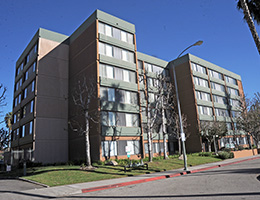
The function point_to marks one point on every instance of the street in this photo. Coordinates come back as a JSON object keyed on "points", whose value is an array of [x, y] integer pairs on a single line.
{"points": [[238, 181], [235, 181]]}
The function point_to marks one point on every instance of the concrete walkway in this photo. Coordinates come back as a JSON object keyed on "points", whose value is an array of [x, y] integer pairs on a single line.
{"points": [[66, 190]]}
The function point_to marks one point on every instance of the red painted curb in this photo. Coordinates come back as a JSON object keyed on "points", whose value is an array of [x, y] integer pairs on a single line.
{"points": [[93, 189]]}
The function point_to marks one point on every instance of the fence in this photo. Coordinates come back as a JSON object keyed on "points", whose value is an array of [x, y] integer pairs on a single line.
{"points": [[14, 157]]}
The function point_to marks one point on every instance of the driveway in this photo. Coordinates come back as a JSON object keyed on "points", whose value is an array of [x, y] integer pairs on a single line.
{"points": [[14, 186]]}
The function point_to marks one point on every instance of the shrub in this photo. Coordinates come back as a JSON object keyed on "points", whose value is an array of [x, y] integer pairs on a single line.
{"points": [[123, 162], [207, 154], [240, 148], [227, 150], [98, 162], [225, 155]]}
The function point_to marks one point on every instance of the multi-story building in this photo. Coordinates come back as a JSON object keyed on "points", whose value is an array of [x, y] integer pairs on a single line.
{"points": [[208, 92], [40, 107], [104, 50]]}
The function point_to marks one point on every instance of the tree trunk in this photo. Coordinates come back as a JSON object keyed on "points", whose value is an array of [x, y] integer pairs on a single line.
{"points": [[164, 131], [88, 157], [215, 145], [149, 136], [179, 144], [209, 145], [250, 23]]}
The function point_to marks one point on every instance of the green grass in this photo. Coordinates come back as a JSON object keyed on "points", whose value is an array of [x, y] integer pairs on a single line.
{"points": [[70, 174]]}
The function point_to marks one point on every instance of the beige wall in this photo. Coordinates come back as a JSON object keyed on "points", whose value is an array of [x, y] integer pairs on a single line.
{"points": [[83, 64], [51, 102], [188, 106]]}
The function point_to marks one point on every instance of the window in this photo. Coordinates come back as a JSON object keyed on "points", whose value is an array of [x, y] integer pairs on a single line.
{"points": [[217, 86], [28, 108], [18, 84], [140, 64], [17, 100], [128, 119], [116, 52], [109, 50], [198, 68], [219, 99], [27, 129], [134, 147], [19, 69], [112, 72], [235, 114], [119, 119], [17, 117], [230, 80], [215, 74], [200, 82], [141, 79], [111, 94], [203, 96], [151, 97], [31, 128], [109, 148], [108, 30], [31, 54], [221, 112], [232, 91], [115, 33], [150, 82], [23, 131], [117, 95], [229, 127], [144, 111], [111, 119], [234, 103], [29, 89], [203, 110], [30, 71], [142, 96], [15, 134], [157, 69], [148, 67]]}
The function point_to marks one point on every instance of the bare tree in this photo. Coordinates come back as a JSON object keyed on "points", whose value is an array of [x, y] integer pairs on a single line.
{"points": [[4, 138], [162, 115], [2, 97], [212, 131], [249, 117], [83, 95]]}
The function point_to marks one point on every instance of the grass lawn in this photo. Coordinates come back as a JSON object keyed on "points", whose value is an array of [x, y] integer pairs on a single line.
{"points": [[69, 174]]}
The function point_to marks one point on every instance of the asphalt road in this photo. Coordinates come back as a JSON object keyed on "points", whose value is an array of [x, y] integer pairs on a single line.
{"points": [[238, 181], [13, 186]]}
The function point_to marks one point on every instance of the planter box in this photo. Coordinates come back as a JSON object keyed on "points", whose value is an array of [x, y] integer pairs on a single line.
{"points": [[245, 153]]}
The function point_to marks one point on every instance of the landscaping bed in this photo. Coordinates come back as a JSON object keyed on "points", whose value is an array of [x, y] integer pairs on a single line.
{"points": [[70, 174]]}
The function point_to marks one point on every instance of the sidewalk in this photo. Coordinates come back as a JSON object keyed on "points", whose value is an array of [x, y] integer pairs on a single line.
{"points": [[66, 190]]}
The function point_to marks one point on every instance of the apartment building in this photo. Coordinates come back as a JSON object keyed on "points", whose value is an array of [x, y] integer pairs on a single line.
{"points": [[40, 107], [208, 92], [103, 51]]}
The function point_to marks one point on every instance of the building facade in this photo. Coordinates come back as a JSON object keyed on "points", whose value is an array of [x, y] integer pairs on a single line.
{"points": [[208, 92], [104, 50]]}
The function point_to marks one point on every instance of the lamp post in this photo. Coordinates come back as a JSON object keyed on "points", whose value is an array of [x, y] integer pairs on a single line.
{"points": [[198, 43]]}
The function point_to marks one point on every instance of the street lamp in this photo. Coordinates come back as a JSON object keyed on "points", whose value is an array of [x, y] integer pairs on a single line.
{"points": [[198, 43]]}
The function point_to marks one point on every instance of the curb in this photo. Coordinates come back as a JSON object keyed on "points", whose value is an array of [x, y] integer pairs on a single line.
{"points": [[105, 187], [34, 182]]}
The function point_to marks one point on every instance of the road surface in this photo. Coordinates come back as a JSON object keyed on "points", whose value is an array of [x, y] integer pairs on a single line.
{"points": [[238, 181]]}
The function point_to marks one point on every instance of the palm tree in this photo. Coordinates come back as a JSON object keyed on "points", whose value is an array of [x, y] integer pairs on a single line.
{"points": [[251, 10]]}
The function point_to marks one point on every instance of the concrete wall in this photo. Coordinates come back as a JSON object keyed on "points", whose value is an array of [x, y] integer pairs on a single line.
{"points": [[51, 102], [188, 106], [83, 65]]}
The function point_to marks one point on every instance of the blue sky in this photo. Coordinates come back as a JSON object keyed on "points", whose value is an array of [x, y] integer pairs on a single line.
{"points": [[163, 29]]}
